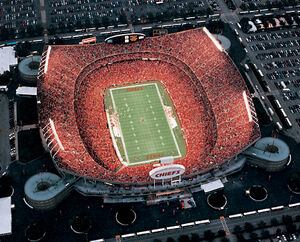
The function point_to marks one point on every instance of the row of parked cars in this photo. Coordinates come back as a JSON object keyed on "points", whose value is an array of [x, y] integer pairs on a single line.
{"points": [[278, 54], [275, 45], [273, 36], [285, 237], [275, 75], [295, 108], [282, 64]]}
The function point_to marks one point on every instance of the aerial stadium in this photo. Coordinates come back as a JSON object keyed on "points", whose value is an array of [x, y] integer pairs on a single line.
{"points": [[116, 113]]}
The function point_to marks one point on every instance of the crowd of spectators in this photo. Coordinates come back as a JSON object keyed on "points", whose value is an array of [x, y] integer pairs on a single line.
{"points": [[204, 84]]}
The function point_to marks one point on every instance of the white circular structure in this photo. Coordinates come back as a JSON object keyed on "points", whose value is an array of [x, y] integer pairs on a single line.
{"points": [[29, 68], [167, 172], [45, 190], [225, 42], [268, 153]]}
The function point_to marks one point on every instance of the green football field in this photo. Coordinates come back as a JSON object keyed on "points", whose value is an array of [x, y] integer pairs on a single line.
{"points": [[144, 133]]}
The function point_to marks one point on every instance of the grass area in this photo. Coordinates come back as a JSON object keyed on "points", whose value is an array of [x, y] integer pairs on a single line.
{"points": [[140, 125], [30, 145], [27, 111]]}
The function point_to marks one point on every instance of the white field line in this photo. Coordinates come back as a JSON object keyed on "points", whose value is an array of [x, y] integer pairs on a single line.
{"points": [[123, 143], [168, 121], [114, 140], [130, 86]]}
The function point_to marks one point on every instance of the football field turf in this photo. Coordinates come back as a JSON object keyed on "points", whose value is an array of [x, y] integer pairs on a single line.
{"points": [[145, 132]]}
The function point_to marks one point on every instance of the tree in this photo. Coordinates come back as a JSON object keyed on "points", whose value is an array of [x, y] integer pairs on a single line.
{"points": [[52, 29], [23, 49], [243, 7], [278, 231], [169, 239], [237, 229], [291, 228], [240, 238], [4, 33], [215, 26], [183, 238], [30, 30], [150, 17], [274, 222], [225, 240], [221, 233], [286, 219], [105, 21], [62, 26], [70, 27], [208, 235], [262, 224], [249, 227], [5, 77], [209, 11], [123, 18], [78, 24], [253, 236], [38, 30], [97, 23], [87, 23], [159, 17], [265, 234], [195, 237], [244, 24]]}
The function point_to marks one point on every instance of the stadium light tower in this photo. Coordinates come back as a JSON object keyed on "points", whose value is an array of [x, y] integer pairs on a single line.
{"points": [[247, 106]]}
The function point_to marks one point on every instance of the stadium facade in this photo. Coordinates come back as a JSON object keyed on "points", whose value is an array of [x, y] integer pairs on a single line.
{"points": [[210, 98]]}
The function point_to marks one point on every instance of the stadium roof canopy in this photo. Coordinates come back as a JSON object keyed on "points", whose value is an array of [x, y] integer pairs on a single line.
{"points": [[215, 110]]}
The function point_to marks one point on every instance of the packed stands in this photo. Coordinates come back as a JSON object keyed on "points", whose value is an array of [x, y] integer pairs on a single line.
{"points": [[206, 88]]}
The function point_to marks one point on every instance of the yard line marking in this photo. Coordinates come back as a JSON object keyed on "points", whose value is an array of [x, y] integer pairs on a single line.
{"points": [[174, 139], [123, 143]]}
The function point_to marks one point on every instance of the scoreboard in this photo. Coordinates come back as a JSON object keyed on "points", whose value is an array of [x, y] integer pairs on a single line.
{"points": [[124, 38]]}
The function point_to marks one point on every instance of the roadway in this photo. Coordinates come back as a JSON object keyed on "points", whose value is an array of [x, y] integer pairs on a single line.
{"points": [[216, 225]]}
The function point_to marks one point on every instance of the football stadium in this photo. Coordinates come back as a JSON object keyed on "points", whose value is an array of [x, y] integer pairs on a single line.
{"points": [[172, 107]]}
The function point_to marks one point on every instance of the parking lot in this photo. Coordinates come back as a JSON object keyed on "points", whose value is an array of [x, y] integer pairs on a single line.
{"points": [[22, 18], [19, 18], [275, 54]]}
